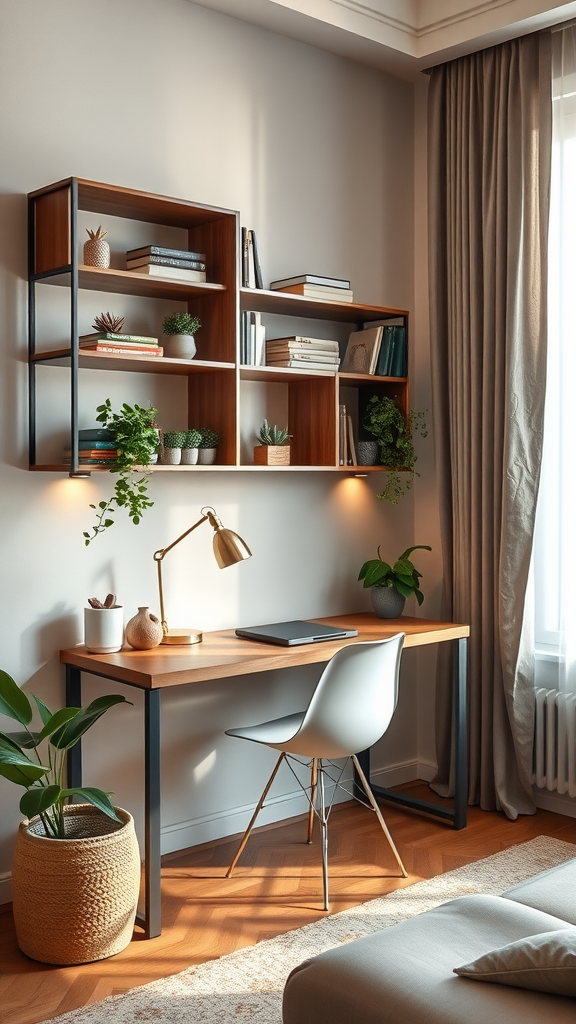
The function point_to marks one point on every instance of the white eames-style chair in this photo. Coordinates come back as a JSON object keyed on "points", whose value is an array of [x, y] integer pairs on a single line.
{"points": [[349, 711]]}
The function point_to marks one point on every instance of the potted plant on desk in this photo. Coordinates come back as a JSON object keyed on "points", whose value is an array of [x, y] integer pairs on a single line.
{"points": [[76, 868], [390, 585]]}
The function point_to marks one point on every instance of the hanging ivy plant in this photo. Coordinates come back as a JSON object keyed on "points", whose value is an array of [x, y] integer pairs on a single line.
{"points": [[394, 433], [136, 440]]}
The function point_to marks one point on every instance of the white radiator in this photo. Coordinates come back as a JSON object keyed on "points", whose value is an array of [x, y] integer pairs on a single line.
{"points": [[555, 741]]}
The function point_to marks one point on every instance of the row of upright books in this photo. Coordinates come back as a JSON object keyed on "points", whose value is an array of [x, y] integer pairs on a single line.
{"points": [[160, 261], [313, 286], [380, 351]]}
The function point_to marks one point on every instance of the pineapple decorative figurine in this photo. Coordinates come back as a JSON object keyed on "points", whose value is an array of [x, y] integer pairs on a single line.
{"points": [[272, 450], [96, 250]]}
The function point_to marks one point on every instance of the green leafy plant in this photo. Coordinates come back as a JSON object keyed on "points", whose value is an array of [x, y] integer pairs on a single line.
{"points": [[385, 420], [42, 778], [192, 438], [272, 434], [181, 323], [402, 575], [136, 441], [174, 438], [210, 438]]}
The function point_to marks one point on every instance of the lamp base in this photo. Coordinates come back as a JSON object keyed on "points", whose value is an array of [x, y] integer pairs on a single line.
{"points": [[182, 637]]}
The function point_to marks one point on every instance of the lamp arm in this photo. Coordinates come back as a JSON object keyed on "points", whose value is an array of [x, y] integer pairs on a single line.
{"points": [[159, 555]]}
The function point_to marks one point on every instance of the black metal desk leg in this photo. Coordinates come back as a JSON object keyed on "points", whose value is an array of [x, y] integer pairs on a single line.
{"points": [[460, 732], [152, 864], [74, 700]]}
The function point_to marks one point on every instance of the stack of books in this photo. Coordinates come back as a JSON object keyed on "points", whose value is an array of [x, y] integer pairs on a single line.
{"points": [[303, 353], [95, 448], [159, 261], [120, 344], [312, 286]]}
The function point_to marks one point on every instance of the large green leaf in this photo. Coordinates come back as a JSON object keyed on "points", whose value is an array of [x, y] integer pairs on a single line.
{"points": [[376, 572], [97, 797], [15, 766], [57, 720], [13, 702], [39, 799], [70, 733], [45, 713], [24, 740]]}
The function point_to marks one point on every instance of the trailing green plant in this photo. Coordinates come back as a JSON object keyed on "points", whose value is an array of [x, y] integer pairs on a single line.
{"points": [[43, 777], [192, 438], [174, 438], [273, 434], [402, 575], [136, 441], [181, 323], [385, 420], [210, 438]]}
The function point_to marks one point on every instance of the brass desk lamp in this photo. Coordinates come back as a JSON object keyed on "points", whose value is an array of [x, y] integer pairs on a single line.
{"points": [[229, 548]]}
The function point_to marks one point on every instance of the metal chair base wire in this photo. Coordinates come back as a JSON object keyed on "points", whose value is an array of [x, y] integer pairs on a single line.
{"points": [[322, 771]]}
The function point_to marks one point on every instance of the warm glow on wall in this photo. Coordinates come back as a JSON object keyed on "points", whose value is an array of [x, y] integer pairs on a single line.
{"points": [[73, 492]]}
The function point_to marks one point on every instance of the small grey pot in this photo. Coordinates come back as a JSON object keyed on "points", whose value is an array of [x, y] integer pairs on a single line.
{"points": [[189, 457], [387, 602], [206, 456], [367, 453], [170, 456]]}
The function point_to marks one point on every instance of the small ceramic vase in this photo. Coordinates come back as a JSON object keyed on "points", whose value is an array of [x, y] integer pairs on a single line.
{"points": [[206, 456], [180, 346], [144, 630], [189, 456], [367, 453], [104, 629], [387, 602]]}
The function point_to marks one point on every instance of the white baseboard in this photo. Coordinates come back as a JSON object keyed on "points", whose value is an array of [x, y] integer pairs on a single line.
{"points": [[560, 803]]}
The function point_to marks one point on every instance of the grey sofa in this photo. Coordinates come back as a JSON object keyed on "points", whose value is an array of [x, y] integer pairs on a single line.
{"points": [[404, 974]]}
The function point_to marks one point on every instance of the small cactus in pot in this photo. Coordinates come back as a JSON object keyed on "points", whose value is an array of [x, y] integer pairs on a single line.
{"points": [[273, 449], [180, 329], [208, 445], [171, 451], [192, 439]]}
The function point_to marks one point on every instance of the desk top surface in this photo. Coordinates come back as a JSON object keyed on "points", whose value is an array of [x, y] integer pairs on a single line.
{"points": [[222, 654]]}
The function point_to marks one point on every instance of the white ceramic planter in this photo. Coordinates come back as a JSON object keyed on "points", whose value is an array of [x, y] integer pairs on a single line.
{"points": [[189, 456], [170, 456], [180, 346], [206, 456], [104, 629]]}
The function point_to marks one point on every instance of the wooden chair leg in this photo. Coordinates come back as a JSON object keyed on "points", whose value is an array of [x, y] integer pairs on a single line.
{"points": [[246, 835], [313, 784], [375, 807], [324, 824]]}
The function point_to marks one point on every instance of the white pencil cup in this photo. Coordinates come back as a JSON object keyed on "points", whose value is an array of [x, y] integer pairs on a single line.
{"points": [[104, 629]]}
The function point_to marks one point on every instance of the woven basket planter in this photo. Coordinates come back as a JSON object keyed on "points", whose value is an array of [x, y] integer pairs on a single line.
{"points": [[75, 898]]}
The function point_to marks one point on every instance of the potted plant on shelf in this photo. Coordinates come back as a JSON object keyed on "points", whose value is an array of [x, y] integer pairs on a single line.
{"points": [[192, 439], [390, 585], [171, 450], [272, 450], [136, 441], [180, 329], [76, 869], [207, 446], [394, 433]]}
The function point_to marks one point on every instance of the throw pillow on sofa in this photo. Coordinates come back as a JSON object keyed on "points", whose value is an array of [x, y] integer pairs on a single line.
{"points": [[544, 963]]}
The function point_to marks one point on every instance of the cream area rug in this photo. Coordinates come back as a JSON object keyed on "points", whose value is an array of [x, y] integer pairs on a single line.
{"points": [[246, 987]]}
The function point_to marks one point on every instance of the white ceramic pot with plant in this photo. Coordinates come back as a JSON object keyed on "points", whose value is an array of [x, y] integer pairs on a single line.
{"points": [[179, 329], [207, 447], [171, 451], [272, 450], [390, 585], [192, 439], [76, 867], [103, 626]]}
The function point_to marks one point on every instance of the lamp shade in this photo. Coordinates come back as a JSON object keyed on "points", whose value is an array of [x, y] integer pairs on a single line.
{"points": [[229, 548]]}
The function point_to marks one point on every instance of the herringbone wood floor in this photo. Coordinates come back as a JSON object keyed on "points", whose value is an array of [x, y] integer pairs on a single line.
{"points": [[276, 887]]}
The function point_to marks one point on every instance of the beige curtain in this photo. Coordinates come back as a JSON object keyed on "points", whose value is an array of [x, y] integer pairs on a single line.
{"points": [[489, 175]]}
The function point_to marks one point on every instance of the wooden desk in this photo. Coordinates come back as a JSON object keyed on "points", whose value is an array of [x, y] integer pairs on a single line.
{"points": [[222, 655]]}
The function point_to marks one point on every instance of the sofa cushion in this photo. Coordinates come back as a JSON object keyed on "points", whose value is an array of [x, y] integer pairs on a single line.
{"points": [[404, 974], [544, 963], [553, 891]]}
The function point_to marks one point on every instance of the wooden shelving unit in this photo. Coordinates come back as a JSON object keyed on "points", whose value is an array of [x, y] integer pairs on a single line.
{"points": [[215, 378]]}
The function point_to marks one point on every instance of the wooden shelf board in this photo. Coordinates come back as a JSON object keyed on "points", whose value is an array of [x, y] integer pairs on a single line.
{"points": [[125, 282], [363, 378], [287, 304], [131, 362], [281, 374], [354, 470]]}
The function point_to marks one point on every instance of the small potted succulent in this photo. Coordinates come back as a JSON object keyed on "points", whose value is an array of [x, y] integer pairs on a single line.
{"points": [[390, 585], [207, 446], [171, 451], [192, 439], [180, 329], [272, 450]]}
